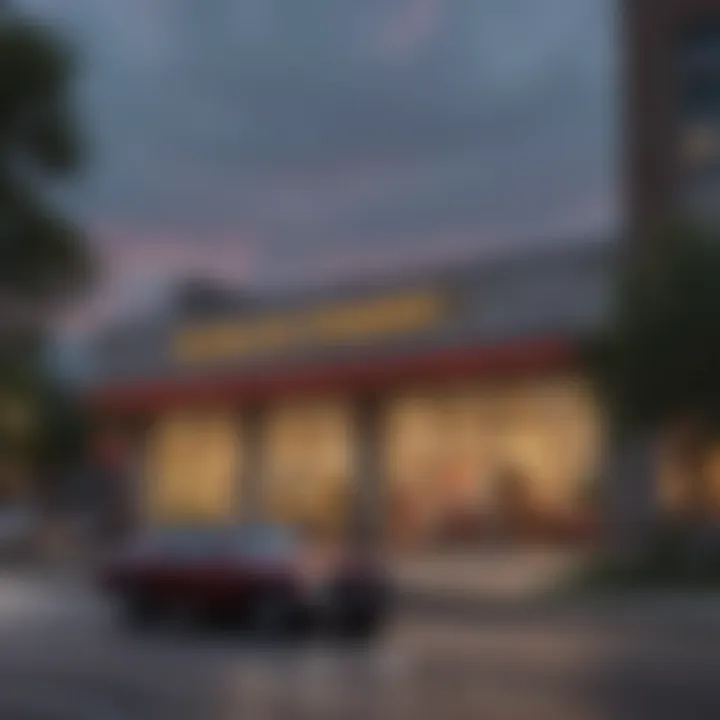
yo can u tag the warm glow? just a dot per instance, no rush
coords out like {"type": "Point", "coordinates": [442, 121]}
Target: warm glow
{"type": "Point", "coordinates": [351, 323]}
{"type": "Point", "coordinates": [309, 463]}
{"type": "Point", "coordinates": [193, 468]}
{"type": "Point", "coordinates": [447, 449]}
{"type": "Point", "coordinates": [447, 452]}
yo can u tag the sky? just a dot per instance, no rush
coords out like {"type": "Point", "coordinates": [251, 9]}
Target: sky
{"type": "Point", "coordinates": [275, 141]}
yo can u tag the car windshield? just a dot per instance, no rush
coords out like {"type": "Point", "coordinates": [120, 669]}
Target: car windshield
{"type": "Point", "coordinates": [186, 541]}
{"type": "Point", "coordinates": [258, 542]}
{"type": "Point", "coordinates": [265, 543]}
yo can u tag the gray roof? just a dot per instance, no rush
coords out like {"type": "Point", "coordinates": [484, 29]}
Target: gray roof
{"type": "Point", "coordinates": [558, 292]}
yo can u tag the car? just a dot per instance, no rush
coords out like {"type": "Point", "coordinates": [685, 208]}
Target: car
{"type": "Point", "coordinates": [262, 575]}
{"type": "Point", "coordinates": [19, 530]}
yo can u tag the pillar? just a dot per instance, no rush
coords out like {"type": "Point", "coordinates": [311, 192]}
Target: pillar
{"type": "Point", "coordinates": [118, 474]}
{"type": "Point", "coordinates": [137, 474]}
{"type": "Point", "coordinates": [250, 503]}
{"type": "Point", "coordinates": [369, 510]}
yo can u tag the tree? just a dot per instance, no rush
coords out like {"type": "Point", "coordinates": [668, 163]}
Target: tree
{"type": "Point", "coordinates": [42, 256]}
{"type": "Point", "coordinates": [60, 441]}
{"type": "Point", "coordinates": [659, 362]}
{"type": "Point", "coordinates": [43, 259]}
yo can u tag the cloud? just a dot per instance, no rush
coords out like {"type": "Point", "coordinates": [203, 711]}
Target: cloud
{"type": "Point", "coordinates": [409, 26]}
{"type": "Point", "coordinates": [138, 271]}
{"type": "Point", "coordinates": [318, 129]}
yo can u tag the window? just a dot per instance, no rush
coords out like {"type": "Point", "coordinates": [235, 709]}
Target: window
{"type": "Point", "coordinates": [194, 464]}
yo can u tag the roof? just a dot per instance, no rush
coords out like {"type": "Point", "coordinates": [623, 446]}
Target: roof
{"type": "Point", "coordinates": [558, 292]}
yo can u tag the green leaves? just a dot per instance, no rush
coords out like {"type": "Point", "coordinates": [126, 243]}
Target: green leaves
{"type": "Point", "coordinates": [660, 359]}
{"type": "Point", "coordinates": [36, 124]}
{"type": "Point", "coordinates": [43, 256]}
{"type": "Point", "coordinates": [61, 429]}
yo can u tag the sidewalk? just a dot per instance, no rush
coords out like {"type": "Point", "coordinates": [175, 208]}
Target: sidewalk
{"type": "Point", "coordinates": [31, 597]}
{"type": "Point", "coordinates": [485, 577]}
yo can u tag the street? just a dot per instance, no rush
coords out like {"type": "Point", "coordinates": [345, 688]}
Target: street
{"type": "Point", "coordinates": [63, 656]}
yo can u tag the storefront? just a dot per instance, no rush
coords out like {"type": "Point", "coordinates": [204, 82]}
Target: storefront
{"type": "Point", "coordinates": [447, 408]}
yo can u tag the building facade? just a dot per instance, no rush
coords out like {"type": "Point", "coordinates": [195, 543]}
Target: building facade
{"type": "Point", "coordinates": [446, 407]}
{"type": "Point", "coordinates": [454, 404]}
{"type": "Point", "coordinates": [671, 78]}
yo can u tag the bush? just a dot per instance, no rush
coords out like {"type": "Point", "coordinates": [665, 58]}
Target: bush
{"type": "Point", "coordinates": [680, 556]}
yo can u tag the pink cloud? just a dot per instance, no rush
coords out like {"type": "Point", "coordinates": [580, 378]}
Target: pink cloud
{"type": "Point", "coordinates": [410, 25]}
{"type": "Point", "coordinates": [139, 268]}
{"type": "Point", "coordinates": [589, 216]}
{"type": "Point", "coordinates": [135, 271]}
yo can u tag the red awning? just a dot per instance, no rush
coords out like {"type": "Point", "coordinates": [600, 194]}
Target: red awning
{"type": "Point", "coordinates": [509, 360]}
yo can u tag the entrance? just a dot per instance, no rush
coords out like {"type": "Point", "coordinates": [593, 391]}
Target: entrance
{"type": "Point", "coordinates": [475, 464]}
{"type": "Point", "coordinates": [308, 465]}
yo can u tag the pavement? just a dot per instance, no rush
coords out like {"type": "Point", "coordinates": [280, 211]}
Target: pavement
{"type": "Point", "coordinates": [502, 575]}
{"type": "Point", "coordinates": [64, 656]}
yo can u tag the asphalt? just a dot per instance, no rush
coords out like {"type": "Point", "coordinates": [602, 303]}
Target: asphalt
{"type": "Point", "coordinates": [63, 655]}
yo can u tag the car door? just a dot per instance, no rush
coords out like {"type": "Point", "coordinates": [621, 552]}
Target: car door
{"type": "Point", "coordinates": [192, 570]}
{"type": "Point", "coordinates": [224, 577]}
{"type": "Point", "coordinates": [165, 571]}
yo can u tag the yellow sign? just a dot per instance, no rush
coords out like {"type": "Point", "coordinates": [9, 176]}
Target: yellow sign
{"type": "Point", "coordinates": [351, 323]}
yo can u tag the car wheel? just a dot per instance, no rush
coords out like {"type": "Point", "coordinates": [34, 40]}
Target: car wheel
{"type": "Point", "coordinates": [356, 613]}
{"type": "Point", "coordinates": [141, 611]}
{"type": "Point", "coordinates": [186, 615]}
{"type": "Point", "coordinates": [363, 627]}
{"type": "Point", "coordinates": [273, 616]}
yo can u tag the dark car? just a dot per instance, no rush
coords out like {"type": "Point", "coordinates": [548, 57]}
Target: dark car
{"type": "Point", "coordinates": [260, 574]}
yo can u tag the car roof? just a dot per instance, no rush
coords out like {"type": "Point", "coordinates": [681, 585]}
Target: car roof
{"type": "Point", "coordinates": [245, 532]}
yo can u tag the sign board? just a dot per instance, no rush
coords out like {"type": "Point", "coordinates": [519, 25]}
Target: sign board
{"type": "Point", "coordinates": [348, 324]}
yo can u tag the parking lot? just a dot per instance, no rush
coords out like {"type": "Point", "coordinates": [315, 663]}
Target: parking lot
{"type": "Point", "coordinates": [62, 655]}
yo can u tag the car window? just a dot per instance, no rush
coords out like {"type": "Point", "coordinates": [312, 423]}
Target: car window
{"type": "Point", "coordinates": [142, 546]}
{"type": "Point", "coordinates": [265, 544]}
{"type": "Point", "coordinates": [178, 544]}
{"type": "Point", "coordinates": [197, 544]}
{"type": "Point", "coordinates": [256, 543]}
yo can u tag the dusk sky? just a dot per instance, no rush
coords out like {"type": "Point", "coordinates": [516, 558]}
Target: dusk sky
{"type": "Point", "coordinates": [271, 141]}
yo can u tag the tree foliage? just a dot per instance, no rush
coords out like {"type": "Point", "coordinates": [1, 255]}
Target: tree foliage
{"type": "Point", "coordinates": [62, 429]}
{"type": "Point", "coordinates": [42, 256]}
{"type": "Point", "coordinates": [44, 260]}
{"type": "Point", "coordinates": [660, 359]}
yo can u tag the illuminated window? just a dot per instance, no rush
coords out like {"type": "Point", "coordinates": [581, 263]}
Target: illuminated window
{"type": "Point", "coordinates": [194, 463]}
{"type": "Point", "coordinates": [309, 462]}
{"type": "Point", "coordinates": [448, 450]}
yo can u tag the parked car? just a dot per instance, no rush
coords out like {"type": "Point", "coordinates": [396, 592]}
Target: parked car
{"type": "Point", "coordinates": [261, 574]}
{"type": "Point", "coordinates": [19, 530]}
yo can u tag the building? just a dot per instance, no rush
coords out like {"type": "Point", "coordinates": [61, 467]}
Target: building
{"type": "Point", "coordinates": [672, 117]}
{"type": "Point", "coordinates": [443, 406]}
{"type": "Point", "coordinates": [453, 404]}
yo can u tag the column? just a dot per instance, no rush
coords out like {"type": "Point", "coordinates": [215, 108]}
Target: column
{"type": "Point", "coordinates": [250, 504]}
{"type": "Point", "coordinates": [369, 511]}
{"type": "Point", "coordinates": [118, 475]}
{"type": "Point", "coordinates": [137, 474]}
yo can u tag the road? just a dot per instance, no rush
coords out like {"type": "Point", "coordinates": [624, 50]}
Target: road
{"type": "Point", "coordinates": [62, 657]}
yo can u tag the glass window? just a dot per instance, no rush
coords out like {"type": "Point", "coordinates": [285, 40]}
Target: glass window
{"type": "Point", "coordinates": [309, 463]}
{"type": "Point", "coordinates": [450, 452]}
{"type": "Point", "coordinates": [193, 469]}
{"type": "Point", "coordinates": [265, 543]}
